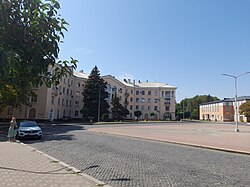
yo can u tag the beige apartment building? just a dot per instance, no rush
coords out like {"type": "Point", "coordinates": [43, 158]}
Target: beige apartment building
{"type": "Point", "coordinates": [148, 97]}
{"type": "Point", "coordinates": [65, 100]}
{"type": "Point", "coordinates": [223, 110]}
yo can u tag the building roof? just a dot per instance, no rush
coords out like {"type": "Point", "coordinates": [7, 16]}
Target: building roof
{"type": "Point", "coordinates": [241, 98]}
{"type": "Point", "coordinates": [81, 75]}
{"type": "Point", "coordinates": [128, 83]}
{"type": "Point", "coordinates": [146, 84]}
{"type": "Point", "coordinates": [154, 84]}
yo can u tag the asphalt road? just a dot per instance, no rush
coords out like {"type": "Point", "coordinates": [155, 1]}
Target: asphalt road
{"type": "Point", "coordinates": [129, 162]}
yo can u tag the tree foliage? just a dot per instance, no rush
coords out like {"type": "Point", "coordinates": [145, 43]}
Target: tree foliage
{"type": "Point", "coordinates": [190, 106]}
{"type": "Point", "coordinates": [30, 33]}
{"type": "Point", "coordinates": [94, 94]}
{"type": "Point", "coordinates": [119, 112]}
{"type": "Point", "coordinates": [137, 114]}
{"type": "Point", "coordinates": [245, 109]}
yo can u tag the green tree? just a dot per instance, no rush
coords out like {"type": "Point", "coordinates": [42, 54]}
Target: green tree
{"type": "Point", "coordinates": [30, 33]}
{"type": "Point", "coordinates": [245, 109]}
{"type": "Point", "coordinates": [119, 112]}
{"type": "Point", "coordinates": [94, 95]}
{"type": "Point", "coordinates": [152, 114]}
{"type": "Point", "coordinates": [137, 114]}
{"type": "Point", "coordinates": [190, 106]}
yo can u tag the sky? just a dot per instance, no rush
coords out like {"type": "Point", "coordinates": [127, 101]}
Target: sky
{"type": "Point", "coordinates": [184, 43]}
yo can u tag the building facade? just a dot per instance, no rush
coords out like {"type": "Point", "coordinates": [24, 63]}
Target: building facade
{"type": "Point", "coordinates": [223, 110]}
{"type": "Point", "coordinates": [155, 100]}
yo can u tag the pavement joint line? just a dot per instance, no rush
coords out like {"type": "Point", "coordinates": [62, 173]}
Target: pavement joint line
{"type": "Point", "coordinates": [75, 170]}
{"type": "Point", "coordinates": [182, 143]}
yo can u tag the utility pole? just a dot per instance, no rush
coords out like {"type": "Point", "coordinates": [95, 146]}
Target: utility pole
{"type": "Point", "coordinates": [236, 102]}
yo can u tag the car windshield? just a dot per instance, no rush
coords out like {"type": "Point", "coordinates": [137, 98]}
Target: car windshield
{"type": "Point", "coordinates": [28, 124]}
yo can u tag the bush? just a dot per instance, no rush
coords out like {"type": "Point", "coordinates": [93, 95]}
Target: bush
{"type": "Point", "coordinates": [105, 117]}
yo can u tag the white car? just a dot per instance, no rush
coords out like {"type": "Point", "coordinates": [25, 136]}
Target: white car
{"type": "Point", "coordinates": [29, 129]}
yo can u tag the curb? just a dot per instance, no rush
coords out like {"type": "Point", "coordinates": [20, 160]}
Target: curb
{"type": "Point", "coordinates": [68, 167]}
{"type": "Point", "coordinates": [182, 143]}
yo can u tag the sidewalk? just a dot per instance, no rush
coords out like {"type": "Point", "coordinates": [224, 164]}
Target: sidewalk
{"type": "Point", "coordinates": [23, 166]}
{"type": "Point", "coordinates": [206, 135]}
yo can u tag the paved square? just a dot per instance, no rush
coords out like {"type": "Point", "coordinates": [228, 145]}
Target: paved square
{"type": "Point", "coordinates": [209, 135]}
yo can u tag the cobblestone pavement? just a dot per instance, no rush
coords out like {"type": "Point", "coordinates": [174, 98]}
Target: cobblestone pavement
{"type": "Point", "coordinates": [209, 135]}
{"type": "Point", "coordinates": [130, 162]}
{"type": "Point", "coordinates": [24, 166]}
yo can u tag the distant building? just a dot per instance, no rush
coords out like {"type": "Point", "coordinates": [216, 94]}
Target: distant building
{"type": "Point", "coordinates": [223, 110]}
{"type": "Point", "coordinates": [148, 97]}
{"type": "Point", "coordinates": [66, 101]}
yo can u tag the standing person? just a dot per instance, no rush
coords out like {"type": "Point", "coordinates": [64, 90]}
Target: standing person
{"type": "Point", "coordinates": [12, 131]}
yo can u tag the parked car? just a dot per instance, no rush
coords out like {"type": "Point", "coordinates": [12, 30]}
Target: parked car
{"type": "Point", "coordinates": [29, 129]}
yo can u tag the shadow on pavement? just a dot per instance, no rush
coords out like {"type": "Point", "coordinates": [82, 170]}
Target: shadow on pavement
{"type": "Point", "coordinates": [90, 167]}
{"type": "Point", "coordinates": [50, 133]}
{"type": "Point", "coordinates": [120, 179]}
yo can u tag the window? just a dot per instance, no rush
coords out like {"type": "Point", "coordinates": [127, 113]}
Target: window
{"type": "Point", "coordinates": [172, 93]}
{"type": "Point", "coordinates": [33, 98]}
{"type": "Point", "coordinates": [137, 92]}
{"type": "Point", "coordinates": [149, 100]}
{"type": "Point", "coordinates": [63, 90]}
{"type": "Point", "coordinates": [67, 102]}
{"type": "Point", "coordinates": [76, 113]}
{"type": "Point", "coordinates": [67, 91]}
{"type": "Point", "coordinates": [155, 108]}
{"type": "Point", "coordinates": [62, 102]}
{"type": "Point", "coordinates": [137, 107]}
{"type": "Point", "coordinates": [167, 108]}
{"type": "Point", "coordinates": [137, 100]}
{"type": "Point", "coordinates": [142, 100]}
{"type": "Point", "coordinates": [70, 103]}
{"type": "Point", "coordinates": [58, 102]}
{"type": "Point", "coordinates": [78, 84]}
{"type": "Point", "coordinates": [167, 94]}
{"type": "Point", "coordinates": [156, 100]}
{"type": "Point", "coordinates": [149, 92]}
{"type": "Point", "coordinates": [156, 93]}
{"type": "Point", "coordinates": [132, 91]}
{"type": "Point", "coordinates": [149, 108]}
{"type": "Point", "coordinates": [52, 100]}
{"type": "Point", "coordinates": [142, 107]}
{"type": "Point", "coordinates": [10, 110]}
{"type": "Point", "coordinates": [167, 101]}
{"type": "Point", "coordinates": [131, 107]}
{"type": "Point", "coordinates": [143, 92]}
{"type": "Point", "coordinates": [77, 94]}
{"type": "Point", "coordinates": [131, 99]}
{"type": "Point", "coordinates": [77, 103]}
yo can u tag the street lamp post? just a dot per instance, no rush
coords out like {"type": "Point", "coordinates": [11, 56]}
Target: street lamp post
{"type": "Point", "coordinates": [183, 114]}
{"type": "Point", "coordinates": [99, 105]}
{"type": "Point", "coordinates": [236, 104]}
